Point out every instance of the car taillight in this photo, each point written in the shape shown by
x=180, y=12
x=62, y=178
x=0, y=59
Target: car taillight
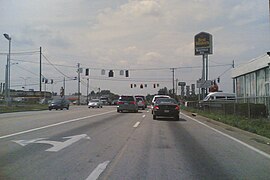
x=132, y=102
x=177, y=108
x=119, y=102
x=156, y=107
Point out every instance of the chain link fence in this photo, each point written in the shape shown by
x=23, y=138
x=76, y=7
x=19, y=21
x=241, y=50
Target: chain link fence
x=251, y=107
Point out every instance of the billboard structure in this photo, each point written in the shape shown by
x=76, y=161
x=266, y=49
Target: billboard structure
x=203, y=45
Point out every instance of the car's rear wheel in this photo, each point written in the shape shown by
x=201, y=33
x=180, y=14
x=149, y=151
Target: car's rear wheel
x=176, y=118
x=154, y=117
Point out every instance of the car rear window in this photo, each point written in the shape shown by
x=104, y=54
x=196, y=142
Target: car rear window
x=166, y=100
x=126, y=98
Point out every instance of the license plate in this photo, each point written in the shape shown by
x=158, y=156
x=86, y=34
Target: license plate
x=166, y=111
x=126, y=103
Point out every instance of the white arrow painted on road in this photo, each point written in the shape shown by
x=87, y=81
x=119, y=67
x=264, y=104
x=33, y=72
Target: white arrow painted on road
x=57, y=145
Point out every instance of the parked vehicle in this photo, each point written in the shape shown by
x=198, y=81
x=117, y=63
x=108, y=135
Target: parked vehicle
x=127, y=103
x=216, y=99
x=140, y=102
x=59, y=104
x=95, y=103
x=167, y=107
x=217, y=96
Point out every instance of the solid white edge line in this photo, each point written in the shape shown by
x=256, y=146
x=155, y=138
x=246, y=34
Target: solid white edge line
x=137, y=124
x=52, y=125
x=230, y=137
x=99, y=169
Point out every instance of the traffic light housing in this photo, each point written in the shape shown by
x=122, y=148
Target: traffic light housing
x=62, y=92
x=141, y=86
x=111, y=73
x=127, y=73
x=87, y=72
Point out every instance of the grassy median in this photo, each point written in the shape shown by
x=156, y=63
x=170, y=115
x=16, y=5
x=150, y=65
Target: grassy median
x=258, y=126
x=22, y=107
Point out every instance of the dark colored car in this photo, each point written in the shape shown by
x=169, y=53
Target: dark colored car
x=167, y=107
x=59, y=104
x=127, y=103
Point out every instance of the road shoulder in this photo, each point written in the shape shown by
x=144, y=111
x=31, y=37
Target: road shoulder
x=254, y=140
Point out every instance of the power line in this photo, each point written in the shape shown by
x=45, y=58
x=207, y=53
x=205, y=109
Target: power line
x=54, y=66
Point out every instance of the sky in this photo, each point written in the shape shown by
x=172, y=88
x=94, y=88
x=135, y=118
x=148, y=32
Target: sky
x=146, y=37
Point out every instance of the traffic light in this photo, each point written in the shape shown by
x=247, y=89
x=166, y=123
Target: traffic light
x=268, y=53
x=218, y=79
x=87, y=72
x=62, y=92
x=154, y=85
x=127, y=74
x=111, y=73
x=46, y=81
x=51, y=81
x=141, y=86
x=131, y=85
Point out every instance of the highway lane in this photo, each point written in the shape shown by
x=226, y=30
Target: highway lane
x=87, y=143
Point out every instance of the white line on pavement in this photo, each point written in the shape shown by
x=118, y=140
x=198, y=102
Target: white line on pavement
x=52, y=125
x=230, y=137
x=143, y=116
x=99, y=169
x=137, y=124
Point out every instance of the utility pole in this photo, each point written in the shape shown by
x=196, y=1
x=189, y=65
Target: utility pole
x=234, y=78
x=79, y=83
x=176, y=89
x=64, y=85
x=40, y=73
x=173, y=79
x=87, y=91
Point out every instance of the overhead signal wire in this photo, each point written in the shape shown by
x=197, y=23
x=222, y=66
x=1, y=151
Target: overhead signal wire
x=54, y=66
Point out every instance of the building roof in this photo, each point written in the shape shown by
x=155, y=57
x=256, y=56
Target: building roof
x=254, y=65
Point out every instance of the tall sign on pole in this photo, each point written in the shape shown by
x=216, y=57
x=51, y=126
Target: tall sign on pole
x=203, y=45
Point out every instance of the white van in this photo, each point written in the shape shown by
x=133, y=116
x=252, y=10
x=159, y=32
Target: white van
x=219, y=96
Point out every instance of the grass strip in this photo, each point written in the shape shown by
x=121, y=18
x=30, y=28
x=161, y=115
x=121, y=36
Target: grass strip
x=258, y=126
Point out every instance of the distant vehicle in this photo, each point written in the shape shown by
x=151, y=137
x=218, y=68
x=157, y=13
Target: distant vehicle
x=217, y=96
x=140, y=102
x=114, y=102
x=105, y=100
x=127, y=103
x=167, y=107
x=59, y=104
x=95, y=103
x=216, y=99
x=156, y=97
x=144, y=99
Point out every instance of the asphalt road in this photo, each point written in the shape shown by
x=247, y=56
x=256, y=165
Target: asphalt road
x=83, y=143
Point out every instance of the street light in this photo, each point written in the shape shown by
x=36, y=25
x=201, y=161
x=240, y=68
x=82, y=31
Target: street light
x=8, y=70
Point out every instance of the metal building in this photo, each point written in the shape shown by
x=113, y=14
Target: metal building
x=251, y=81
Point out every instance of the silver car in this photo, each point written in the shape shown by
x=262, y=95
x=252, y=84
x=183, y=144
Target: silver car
x=95, y=103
